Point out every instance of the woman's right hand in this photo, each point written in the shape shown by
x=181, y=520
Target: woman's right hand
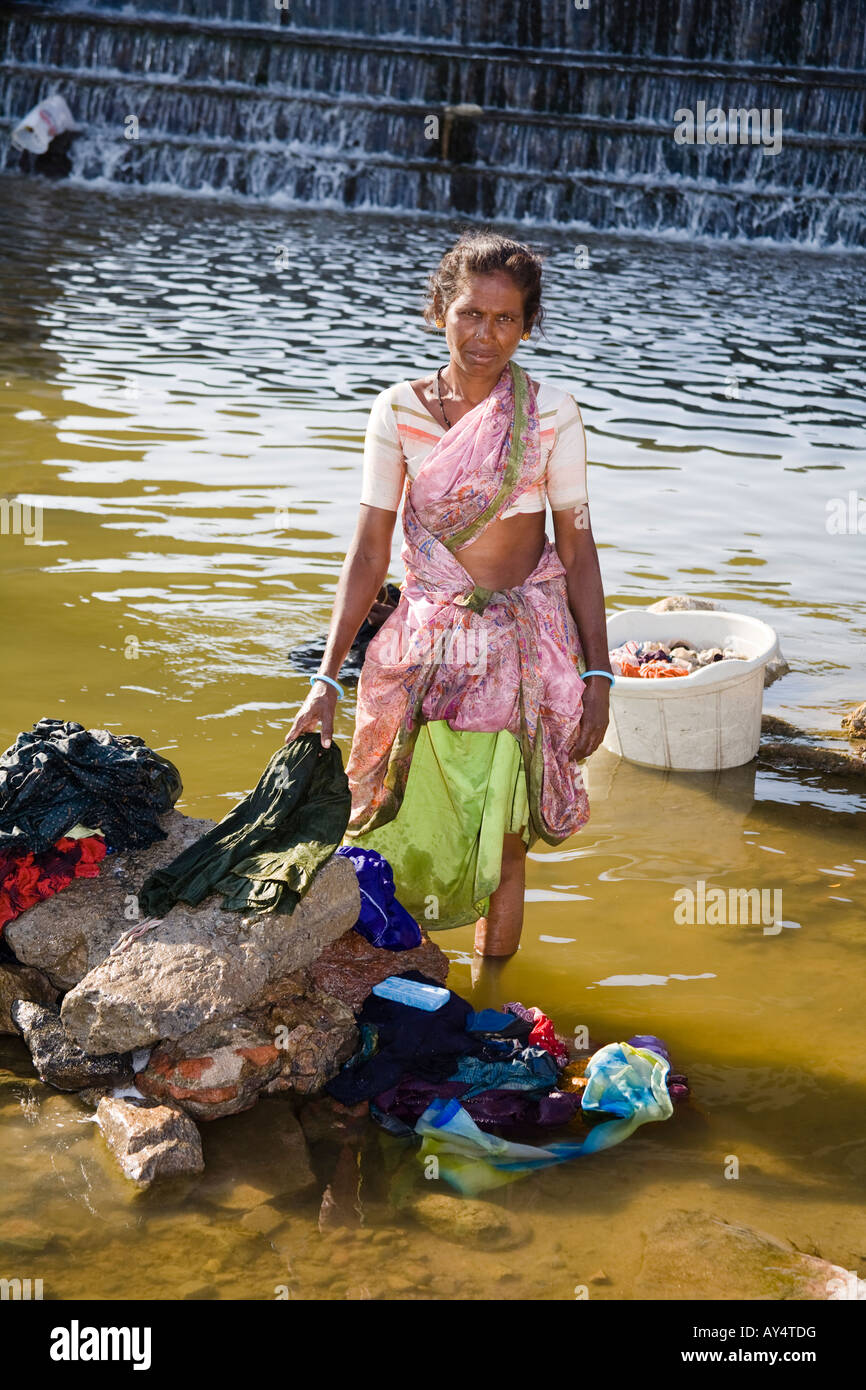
x=317, y=709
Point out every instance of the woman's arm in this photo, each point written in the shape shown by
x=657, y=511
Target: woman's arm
x=575, y=546
x=362, y=576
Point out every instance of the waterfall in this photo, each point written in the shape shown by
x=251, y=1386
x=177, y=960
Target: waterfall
x=347, y=102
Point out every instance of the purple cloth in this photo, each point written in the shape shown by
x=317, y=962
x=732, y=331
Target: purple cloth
x=383, y=921
x=498, y=1108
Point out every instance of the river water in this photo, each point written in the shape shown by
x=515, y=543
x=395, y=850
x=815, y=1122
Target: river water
x=184, y=392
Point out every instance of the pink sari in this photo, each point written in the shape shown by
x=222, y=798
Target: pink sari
x=480, y=659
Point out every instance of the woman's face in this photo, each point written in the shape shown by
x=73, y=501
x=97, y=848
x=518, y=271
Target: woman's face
x=483, y=324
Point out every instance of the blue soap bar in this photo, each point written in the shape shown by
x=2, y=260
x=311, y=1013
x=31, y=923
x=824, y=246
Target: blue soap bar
x=417, y=996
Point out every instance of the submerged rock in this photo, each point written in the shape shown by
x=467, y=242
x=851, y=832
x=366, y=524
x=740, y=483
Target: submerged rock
x=22, y=982
x=58, y=1059
x=149, y=1140
x=350, y=967
x=214, y=1071
x=201, y=965
x=468, y=1222
x=812, y=756
x=694, y=1255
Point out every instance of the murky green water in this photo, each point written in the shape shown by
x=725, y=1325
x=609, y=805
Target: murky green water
x=189, y=417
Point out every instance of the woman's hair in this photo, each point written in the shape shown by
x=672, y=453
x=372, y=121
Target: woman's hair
x=483, y=253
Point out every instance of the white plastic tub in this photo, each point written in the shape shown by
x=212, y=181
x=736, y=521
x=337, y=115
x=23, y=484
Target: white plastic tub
x=701, y=722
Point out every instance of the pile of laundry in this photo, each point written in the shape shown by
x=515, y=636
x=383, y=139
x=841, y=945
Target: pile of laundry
x=679, y=658
x=68, y=797
x=452, y=1077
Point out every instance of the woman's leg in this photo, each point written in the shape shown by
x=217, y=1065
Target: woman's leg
x=498, y=934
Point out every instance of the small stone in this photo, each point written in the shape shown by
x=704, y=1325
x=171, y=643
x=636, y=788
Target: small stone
x=598, y=1278
x=149, y=1140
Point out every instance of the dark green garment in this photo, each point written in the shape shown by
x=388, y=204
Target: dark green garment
x=266, y=852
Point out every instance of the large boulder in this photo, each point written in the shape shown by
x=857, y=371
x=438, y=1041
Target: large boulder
x=215, y=1071
x=149, y=1140
x=58, y=1059
x=349, y=968
x=695, y=1255
x=202, y=965
x=22, y=982
x=68, y=934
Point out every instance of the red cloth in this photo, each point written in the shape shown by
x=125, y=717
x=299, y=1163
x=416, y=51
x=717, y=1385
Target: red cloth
x=26, y=879
x=543, y=1035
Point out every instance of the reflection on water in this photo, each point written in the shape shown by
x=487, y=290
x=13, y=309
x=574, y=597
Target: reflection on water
x=189, y=419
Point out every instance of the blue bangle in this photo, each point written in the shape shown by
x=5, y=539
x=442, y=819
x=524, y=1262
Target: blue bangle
x=330, y=681
x=611, y=678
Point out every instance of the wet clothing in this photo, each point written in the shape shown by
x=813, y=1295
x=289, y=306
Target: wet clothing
x=266, y=852
x=382, y=921
x=28, y=878
x=409, y=1042
x=59, y=774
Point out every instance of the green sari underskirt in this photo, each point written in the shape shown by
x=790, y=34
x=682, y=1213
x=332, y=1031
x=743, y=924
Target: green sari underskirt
x=465, y=790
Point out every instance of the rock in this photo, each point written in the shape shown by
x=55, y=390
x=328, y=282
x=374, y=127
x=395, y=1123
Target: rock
x=693, y=1255
x=240, y=1196
x=150, y=1140
x=214, y=1071
x=71, y=932
x=22, y=982
x=468, y=1222
x=58, y=1059
x=262, y=1221
x=855, y=722
x=350, y=967
x=780, y=728
x=812, y=756
x=23, y=1237
x=681, y=603
x=313, y=1033
x=202, y=965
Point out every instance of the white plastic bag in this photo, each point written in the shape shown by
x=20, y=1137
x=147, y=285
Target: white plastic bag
x=40, y=125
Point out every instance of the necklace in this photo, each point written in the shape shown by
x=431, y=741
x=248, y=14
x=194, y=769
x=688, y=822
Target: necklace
x=439, y=394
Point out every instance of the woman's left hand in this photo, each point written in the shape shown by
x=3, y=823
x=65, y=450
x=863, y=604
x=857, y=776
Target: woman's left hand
x=595, y=717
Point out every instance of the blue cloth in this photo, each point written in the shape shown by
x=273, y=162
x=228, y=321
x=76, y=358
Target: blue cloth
x=492, y=1021
x=625, y=1081
x=532, y=1070
x=383, y=921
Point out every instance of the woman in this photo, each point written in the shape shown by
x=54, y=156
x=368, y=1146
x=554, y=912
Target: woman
x=472, y=714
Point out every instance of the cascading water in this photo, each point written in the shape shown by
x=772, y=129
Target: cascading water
x=351, y=102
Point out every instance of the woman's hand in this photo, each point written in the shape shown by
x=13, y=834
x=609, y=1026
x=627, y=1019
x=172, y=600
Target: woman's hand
x=318, y=708
x=595, y=717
